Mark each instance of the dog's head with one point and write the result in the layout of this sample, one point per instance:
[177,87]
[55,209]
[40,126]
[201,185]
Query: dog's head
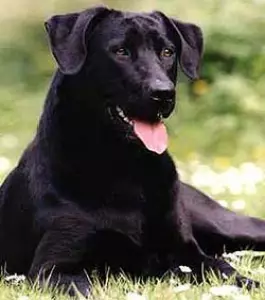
[131,61]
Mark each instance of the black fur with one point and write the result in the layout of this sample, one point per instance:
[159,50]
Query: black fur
[86,193]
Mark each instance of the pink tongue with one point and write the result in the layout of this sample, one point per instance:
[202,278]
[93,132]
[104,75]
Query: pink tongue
[154,136]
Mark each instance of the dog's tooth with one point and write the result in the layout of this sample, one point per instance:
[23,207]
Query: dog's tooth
[110,113]
[122,115]
[120,112]
[159,115]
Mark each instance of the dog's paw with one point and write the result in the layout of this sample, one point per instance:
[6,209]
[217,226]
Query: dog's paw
[79,290]
[74,285]
[226,271]
[242,281]
[78,285]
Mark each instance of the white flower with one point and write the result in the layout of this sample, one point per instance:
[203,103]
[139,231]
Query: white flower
[203,176]
[241,253]
[250,173]
[241,297]
[231,256]
[225,276]
[231,174]
[259,1]
[172,281]
[250,189]
[259,270]
[217,188]
[182,173]
[235,187]
[249,253]
[231,180]
[15,279]
[206,296]
[238,204]
[5,164]
[135,296]
[223,203]
[182,288]
[8,141]
[23,298]
[224,290]
[185,269]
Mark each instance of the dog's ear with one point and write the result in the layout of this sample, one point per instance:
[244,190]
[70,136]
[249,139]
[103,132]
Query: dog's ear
[67,34]
[190,39]
[191,47]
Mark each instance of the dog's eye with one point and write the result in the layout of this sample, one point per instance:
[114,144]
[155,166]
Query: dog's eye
[167,52]
[122,52]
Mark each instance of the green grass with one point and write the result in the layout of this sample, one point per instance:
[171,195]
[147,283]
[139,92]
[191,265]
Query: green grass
[122,288]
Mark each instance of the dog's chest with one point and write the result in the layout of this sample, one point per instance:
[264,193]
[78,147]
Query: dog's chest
[131,195]
[125,223]
[131,209]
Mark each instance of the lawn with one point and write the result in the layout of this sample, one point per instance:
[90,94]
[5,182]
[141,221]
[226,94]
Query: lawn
[170,288]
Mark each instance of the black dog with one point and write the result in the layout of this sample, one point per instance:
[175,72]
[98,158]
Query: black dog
[96,187]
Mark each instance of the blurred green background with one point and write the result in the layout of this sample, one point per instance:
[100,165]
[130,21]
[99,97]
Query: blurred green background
[218,133]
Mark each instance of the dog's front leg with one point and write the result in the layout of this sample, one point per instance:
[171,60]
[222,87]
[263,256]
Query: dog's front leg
[58,257]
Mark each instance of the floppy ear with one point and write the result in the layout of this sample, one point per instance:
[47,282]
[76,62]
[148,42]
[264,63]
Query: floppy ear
[67,37]
[191,45]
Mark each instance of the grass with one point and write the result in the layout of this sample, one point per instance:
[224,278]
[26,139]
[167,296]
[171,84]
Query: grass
[122,288]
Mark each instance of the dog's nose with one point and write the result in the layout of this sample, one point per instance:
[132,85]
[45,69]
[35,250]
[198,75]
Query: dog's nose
[167,95]
[162,91]
[164,96]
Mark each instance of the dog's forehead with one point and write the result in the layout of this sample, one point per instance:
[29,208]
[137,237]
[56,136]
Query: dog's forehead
[119,24]
[140,20]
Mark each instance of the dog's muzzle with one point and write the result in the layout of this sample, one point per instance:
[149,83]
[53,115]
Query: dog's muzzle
[164,97]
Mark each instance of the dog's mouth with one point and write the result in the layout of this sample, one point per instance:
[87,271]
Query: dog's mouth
[152,134]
